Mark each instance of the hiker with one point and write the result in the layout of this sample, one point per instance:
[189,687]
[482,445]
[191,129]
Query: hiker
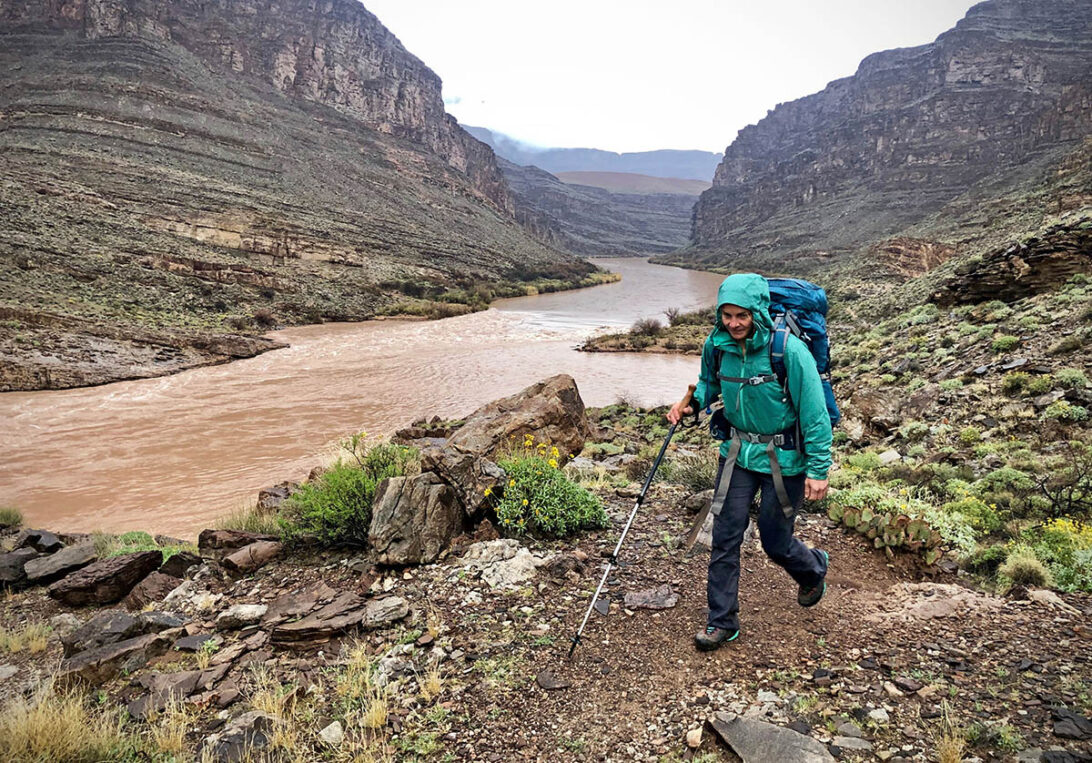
[778,442]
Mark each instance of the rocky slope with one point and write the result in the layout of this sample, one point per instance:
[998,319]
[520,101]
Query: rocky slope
[954,140]
[242,643]
[223,167]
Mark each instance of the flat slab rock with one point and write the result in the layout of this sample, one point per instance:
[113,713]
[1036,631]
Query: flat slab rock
[96,666]
[760,742]
[347,611]
[106,581]
[47,568]
[114,625]
[661,597]
[228,539]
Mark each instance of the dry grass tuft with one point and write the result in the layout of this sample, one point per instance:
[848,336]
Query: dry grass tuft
[951,745]
[168,728]
[33,637]
[431,684]
[363,699]
[61,726]
[249,519]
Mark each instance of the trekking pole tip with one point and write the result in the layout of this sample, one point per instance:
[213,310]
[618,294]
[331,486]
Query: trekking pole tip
[575,640]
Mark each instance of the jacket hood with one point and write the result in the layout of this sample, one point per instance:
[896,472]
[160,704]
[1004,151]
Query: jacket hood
[751,292]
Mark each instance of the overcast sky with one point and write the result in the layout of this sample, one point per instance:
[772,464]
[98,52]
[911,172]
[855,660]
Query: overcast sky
[633,75]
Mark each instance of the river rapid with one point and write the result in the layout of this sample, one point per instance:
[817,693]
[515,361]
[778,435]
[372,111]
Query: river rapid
[171,454]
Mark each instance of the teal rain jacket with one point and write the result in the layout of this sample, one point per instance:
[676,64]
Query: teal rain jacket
[763,408]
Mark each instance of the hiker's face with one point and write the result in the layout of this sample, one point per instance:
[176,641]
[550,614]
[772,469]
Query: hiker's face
[737,321]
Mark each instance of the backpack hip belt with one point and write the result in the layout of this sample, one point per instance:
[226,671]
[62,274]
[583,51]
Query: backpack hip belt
[787,440]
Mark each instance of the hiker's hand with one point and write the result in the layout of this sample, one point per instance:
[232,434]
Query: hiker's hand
[815,490]
[677,412]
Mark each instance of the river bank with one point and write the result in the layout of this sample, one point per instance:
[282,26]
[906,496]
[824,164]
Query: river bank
[196,445]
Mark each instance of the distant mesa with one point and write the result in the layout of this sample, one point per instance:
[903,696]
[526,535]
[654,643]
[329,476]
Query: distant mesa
[631,182]
[665,163]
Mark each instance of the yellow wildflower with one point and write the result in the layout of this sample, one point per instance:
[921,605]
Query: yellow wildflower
[552,462]
[555,452]
[489,491]
[525,501]
[511,483]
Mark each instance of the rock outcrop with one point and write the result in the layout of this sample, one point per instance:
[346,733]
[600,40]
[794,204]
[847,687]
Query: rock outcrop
[992,103]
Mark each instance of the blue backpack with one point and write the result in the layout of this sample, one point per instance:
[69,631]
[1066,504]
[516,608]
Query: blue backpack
[800,308]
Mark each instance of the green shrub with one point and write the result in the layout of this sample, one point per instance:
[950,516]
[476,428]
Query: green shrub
[1065,411]
[1013,383]
[888,379]
[914,431]
[539,498]
[986,559]
[981,516]
[696,471]
[840,438]
[1039,385]
[970,435]
[1023,567]
[951,385]
[954,528]
[336,509]
[10,517]
[1005,343]
[866,461]
[922,314]
[1071,378]
[994,310]
[648,327]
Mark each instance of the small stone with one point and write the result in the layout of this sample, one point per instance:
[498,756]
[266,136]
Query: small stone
[889,457]
[333,734]
[908,685]
[7,671]
[849,730]
[64,624]
[852,743]
[693,738]
[550,682]
[879,715]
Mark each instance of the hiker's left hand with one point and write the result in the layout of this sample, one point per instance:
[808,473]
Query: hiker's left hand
[815,490]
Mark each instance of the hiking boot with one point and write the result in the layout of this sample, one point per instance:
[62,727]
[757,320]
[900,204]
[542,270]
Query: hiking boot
[709,639]
[809,596]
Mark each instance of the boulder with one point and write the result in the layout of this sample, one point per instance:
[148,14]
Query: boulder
[106,581]
[42,541]
[163,688]
[114,625]
[382,612]
[246,735]
[756,741]
[342,614]
[96,666]
[468,474]
[271,498]
[502,563]
[292,605]
[13,564]
[551,411]
[871,413]
[179,564]
[45,569]
[240,616]
[251,557]
[154,587]
[219,540]
[413,519]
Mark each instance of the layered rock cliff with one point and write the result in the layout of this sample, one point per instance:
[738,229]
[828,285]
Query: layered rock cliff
[334,53]
[595,221]
[227,166]
[989,108]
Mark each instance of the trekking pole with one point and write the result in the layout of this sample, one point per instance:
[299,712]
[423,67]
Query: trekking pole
[613,559]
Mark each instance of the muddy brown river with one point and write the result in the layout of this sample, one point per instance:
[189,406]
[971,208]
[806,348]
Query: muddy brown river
[171,454]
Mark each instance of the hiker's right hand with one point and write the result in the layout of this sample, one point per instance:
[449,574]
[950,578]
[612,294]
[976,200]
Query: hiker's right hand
[674,416]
